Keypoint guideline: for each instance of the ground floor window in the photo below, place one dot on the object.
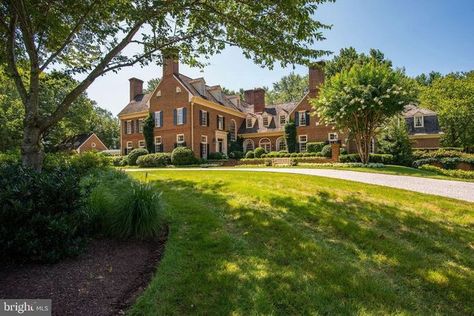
(266, 144)
(180, 140)
(204, 147)
(129, 148)
(280, 144)
(141, 143)
(248, 145)
(302, 140)
(158, 144)
(332, 137)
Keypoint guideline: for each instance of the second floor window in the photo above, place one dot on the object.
(140, 125)
(203, 118)
(129, 126)
(158, 118)
(302, 118)
(180, 116)
(418, 120)
(220, 122)
(282, 120)
(248, 122)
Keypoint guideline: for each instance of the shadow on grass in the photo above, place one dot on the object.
(321, 254)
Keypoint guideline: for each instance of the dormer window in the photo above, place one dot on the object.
(282, 119)
(248, 122)
(178, 89)
(418, 120)
(265, 121)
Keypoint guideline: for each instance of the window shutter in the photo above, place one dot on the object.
(217, 121)
(124, 124)
(175, 117)
(200, 117)
(161, 118)
(307, 118)
(137, 126)
(207, 150)
(207, 113)
(184, 115)
(297, 119)
(223, 122)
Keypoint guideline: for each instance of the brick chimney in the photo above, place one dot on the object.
(170, 63)
(316, 76)
(136, 87)
(257, 98)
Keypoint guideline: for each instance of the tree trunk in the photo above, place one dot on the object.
(32, 153)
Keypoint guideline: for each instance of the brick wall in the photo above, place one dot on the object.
(93, 143)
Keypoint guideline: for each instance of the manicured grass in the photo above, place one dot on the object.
(247, 244)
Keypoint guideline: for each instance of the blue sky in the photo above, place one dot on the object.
(419, 35)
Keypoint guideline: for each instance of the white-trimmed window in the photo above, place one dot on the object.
(179, 139)
(178, 89)
(141, 143)
(204, 152)
(280, 144)
(233, 130)
(158, 118)
(180, 116)
(266, 144)
(332, 137)
(249, 122)
(140, 125)
(93, 145)
(302, 140)
(302, 118)
(248, 145)
(418, 121)
(220, 122)
(158, 144)
(129, 126)
(129, 147)
(283, 119)
(203, 118)
(265, 120)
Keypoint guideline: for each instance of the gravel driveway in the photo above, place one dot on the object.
(452, 189)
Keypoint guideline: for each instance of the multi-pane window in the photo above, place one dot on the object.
(180, 139)
(418, 120)
(129, 126)
(141, 143)
(302, 118)
(303, 139)
(129, 148)
(140, 125)
(248, 122)
(203, 118)
(204, 152)
(332, 137)
(265, 121)
(158, 144)
(180, 116)
(158, 119)
(266, 144)
(282, 119)
(220, 122)
(281, 144)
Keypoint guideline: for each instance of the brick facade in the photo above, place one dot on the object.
(93, 143)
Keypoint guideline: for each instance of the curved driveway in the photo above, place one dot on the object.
(447, 188)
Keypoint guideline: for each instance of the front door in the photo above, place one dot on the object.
(220, 146)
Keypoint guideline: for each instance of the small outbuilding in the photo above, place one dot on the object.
(82, 143)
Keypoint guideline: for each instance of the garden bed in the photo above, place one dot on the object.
(105, 280)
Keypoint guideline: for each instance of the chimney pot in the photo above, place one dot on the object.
(136, 87)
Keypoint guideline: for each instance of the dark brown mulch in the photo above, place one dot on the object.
(105, 280)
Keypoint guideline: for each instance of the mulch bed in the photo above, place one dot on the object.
(105, 280)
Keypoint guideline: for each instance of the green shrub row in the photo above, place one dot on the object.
(315, 147)
(373, 158)
(440, 153)
(463, 174)
(447, 163)
(276, 154)
(154, 160)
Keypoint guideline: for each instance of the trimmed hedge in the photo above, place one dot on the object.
(463, 174)
(183, 156)
(447, 163)
(440, 153)
(258, 152)
(326, 151)
(315, 147)
(154, 160)
(276, 154)
(134, 154)
(373, 158)
(236, 154)
(216, 156)
(249, 155)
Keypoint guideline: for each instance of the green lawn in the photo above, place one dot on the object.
(242, 243)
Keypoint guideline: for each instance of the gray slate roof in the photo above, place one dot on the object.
(411, 110)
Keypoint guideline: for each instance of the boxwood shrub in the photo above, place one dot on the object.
(216, 156)
(249, 154)
(154, 160)
(326, 151)
(447, 163)
(315, 147)
(258, 152)
(134, 154)
(183, 156)
(373, 158)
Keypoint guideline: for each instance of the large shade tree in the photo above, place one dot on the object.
(89, 38)
(452, 98)
(362, 99)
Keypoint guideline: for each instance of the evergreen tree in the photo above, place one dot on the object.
(394, 140)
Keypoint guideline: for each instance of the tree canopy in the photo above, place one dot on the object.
(290, 88)
(362, 99)
(88, 38)
(452, 98)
